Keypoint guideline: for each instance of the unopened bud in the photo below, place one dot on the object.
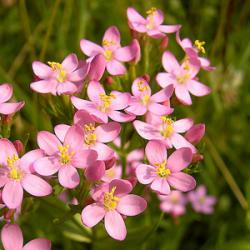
(19, 147)
(164, 43)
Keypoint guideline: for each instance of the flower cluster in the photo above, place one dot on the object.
(94, 151)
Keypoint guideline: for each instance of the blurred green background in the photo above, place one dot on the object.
(48, 30)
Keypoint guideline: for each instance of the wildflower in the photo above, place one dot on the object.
(162, 172)
(182, 77)
(152, 24)
(6, 92)
(17, 174)
(112, 200)
(12, 239)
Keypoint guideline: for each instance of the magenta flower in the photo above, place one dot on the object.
(166, 130)
(17, 174)
(182, 77)
(162, 172)
(142, 101)
(152, 24)
(201, 202)
(174, 203)
(59, 78)
(112, 200)
(12, 239)
(112, 51)
(195, 133)
(64, 156)
(102, 106)
(6, 92)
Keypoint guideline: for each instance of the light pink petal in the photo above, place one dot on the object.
(145, 173)
(136, 21)
(120, 100)
(126, 54)
(104, 152)
(136, 109)
(165, 79)
(12, 237)
(47, 166)
(45, 86)
(67, 88)
(35, 185)
(7, 149)
(97, 67)
(169, 62)
(61, 130)
(156, 152)
(159, 109)
(6, 91)
(95, 89)
(115, 225)
(42, 70)
(82, 117)
(3, 177)
(121, 117)
(179, 159)
(12, 194)
(198, 89)
(74, 138)
(112, 34)
(70, 63)
(179, 141)
(131, 205)
(48, 142)
(96, 171)
(115, 68)
(10, 108)
(157, 17)
(183, 95)
(183, 125)
(181, 181)
(147, 131)
(68, 177)
(155, 33)
(163, 95)
(169, 28)
(38, 244)
(108, 132)
(89, 48)
(78, 75)
(92, 214)
(84, 158)
(195, 133)
(161, 186)
(140, 87)
(123, 187)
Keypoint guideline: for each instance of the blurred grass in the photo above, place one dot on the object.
(49, 30)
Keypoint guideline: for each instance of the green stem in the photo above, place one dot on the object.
(146, 55)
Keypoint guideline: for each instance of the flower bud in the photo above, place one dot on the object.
(164, 43)
(195, 133)
(19, 146)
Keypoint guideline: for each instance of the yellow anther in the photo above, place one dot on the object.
(183, 78)
(161, 169)
(141, 86)
(90, 138)
(145, 99)
(199, 45)
(106, 101)
(90, 127)
(65, 155)
(186, 65)
(108, 54)
(167, 127)
(110, 200)
(202, 200)
(12, 160)
(108, 43)
(15, 174)
(61, 73)
(151, 11)
(55, 65)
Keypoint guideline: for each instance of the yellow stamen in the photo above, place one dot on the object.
(90, 139)
(199, 45)
(141, 86)
(110, 201)
(202, 200)
(183, 78)
(106, 101)
(61, 73)
(108, 54)
(65, 155)
(145, 99)
(15, 174)
(12, 160)
(108, 43)
(168, 127)
(151, 11)
(161, 169)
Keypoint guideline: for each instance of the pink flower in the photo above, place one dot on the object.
(6, 92)
(195, 133)
(192, 52)
(16, 175)
(166, 130)
(12, 239)
(102, 106)
(96, 67)
(152, 24)
(113, 173)
(202, 202)
(59, 78)
(112, 200)
(174, 203)
(112, 51)
(142, 101)
(162, 172)
(182, 77)
(64, 156)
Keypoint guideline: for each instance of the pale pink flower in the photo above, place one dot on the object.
(9, 108)
(12, 239)
(112, 200)
(96, 67)
(166, 130)
(17, 174)
(64, 156)
(174, 203)
(112, 173)
(201, 202)
(112, 51)
(59, 78)
(142, 101)
(182, 77)
(103, 106)
(162, 172)
(152, 24)
(195, 133)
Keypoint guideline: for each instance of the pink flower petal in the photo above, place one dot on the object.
(123, 187)
(92, 214)
(156, 152)
(67, 88)
(97, 67)
(96, 171)
(78, 75)
(183, 95)
(38, 244)
(112, 34)
(115, 225)
(169, 62)
(47, 166)
(12, 194)
(179, 141)
(70, 63)
(84, 158)
(125, 54)
(104, 151)
(82, 117)
(115, 68)
(61, 131)
(45, 86)
(136, 109)
(108, 132)
(179, 159)
(165, 79)
(121, 117)
(136, 21)
(161, 186)
(6, 91)
(159, 109)
(12, 237)
(145, 173)
(198, 89)
(131, 205)
(181, 181)
(157, 17)
(140, 87)
(7, 149)
(35, 185)
(163, 95)
(183, 125)
(147, 131)
(169, 28)
(68, 177)
(95, 89)
(10, 108)
(42, 70)
(89, 48)
(74, 138)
